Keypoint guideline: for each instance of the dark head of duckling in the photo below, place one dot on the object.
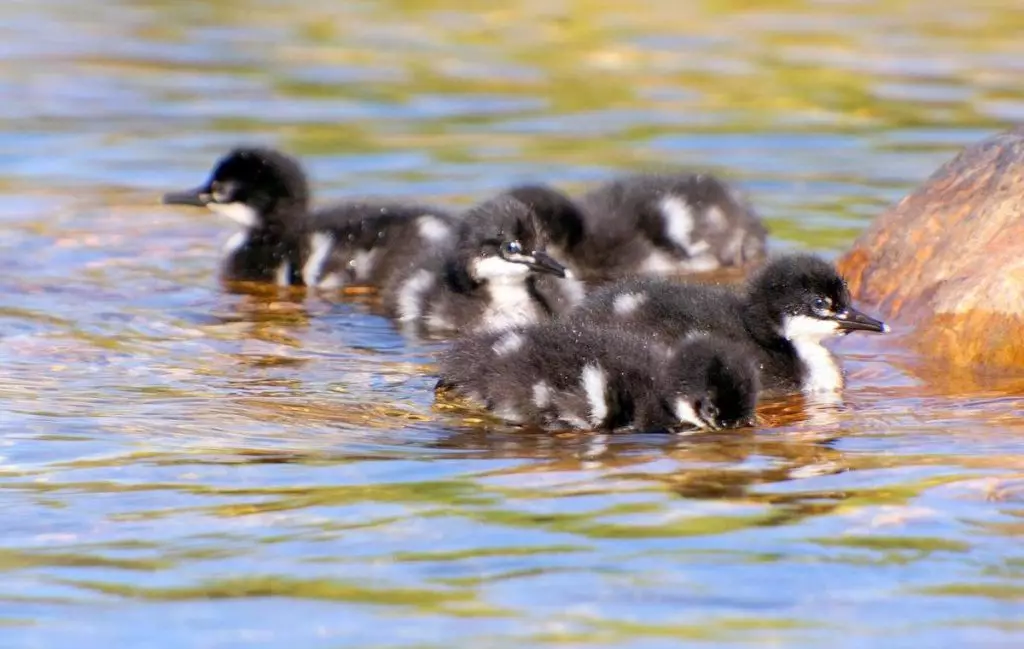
(498, 242)
(715, 383)
(803, 298)
(254, 187)
(266, 193)
(556, 217)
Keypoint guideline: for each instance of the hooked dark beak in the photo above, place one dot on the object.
(542, 262)
(853, 320)
(198, 197)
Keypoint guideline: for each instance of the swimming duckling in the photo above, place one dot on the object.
(789, 308)
(487, 281)
(659, 224)
(648, 224)
(266, 192)
(559, 374)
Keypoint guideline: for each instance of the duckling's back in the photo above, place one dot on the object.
(665, 310)
(369, 243)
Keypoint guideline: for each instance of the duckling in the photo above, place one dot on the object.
(672, 224)
(266, 192)
(648, 224)
(560, 374)
(487, 281)
(787, 311)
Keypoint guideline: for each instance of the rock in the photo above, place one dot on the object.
(949, 258)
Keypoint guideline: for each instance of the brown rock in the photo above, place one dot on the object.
(949, 258)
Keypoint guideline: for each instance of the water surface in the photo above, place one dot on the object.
(188, 467)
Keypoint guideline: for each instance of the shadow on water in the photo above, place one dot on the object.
(257, 467)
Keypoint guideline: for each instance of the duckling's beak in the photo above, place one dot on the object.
(198, 197)
(853, 320)
(542, 262)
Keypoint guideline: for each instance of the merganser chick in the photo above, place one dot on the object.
(487, 281)
(560, 375)
(789, 308)
(648, 224)
(360, 241)
(265, 192)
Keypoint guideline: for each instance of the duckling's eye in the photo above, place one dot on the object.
(219, 191)
(512, 248)
(821, 304)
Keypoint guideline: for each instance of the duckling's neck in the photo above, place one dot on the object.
(793, 355)
(510, 302)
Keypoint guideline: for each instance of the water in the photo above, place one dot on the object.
(186, 467)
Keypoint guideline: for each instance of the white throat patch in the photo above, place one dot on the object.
(821, 371)
(240, 213)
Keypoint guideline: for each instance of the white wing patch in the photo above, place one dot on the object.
(541, 394)
(283, 275)
(627, 303)
(595, 385)
(410, 296)
(507, 344)
(433, 229)
(320, 246)
(363, 263)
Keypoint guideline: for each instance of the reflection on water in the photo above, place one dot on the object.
(265, 468)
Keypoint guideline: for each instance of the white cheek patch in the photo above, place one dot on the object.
(686, 414)
(595, 384)
(433, 229)
(320, 245)
(497, 269)
(806, 328)
(627, 303)
(240, 213)
(507, 344)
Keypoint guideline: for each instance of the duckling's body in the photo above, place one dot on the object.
(663, 224)
(560, 374)
(648, 225)
(369, 243)
(488, 280)
(782, 319)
